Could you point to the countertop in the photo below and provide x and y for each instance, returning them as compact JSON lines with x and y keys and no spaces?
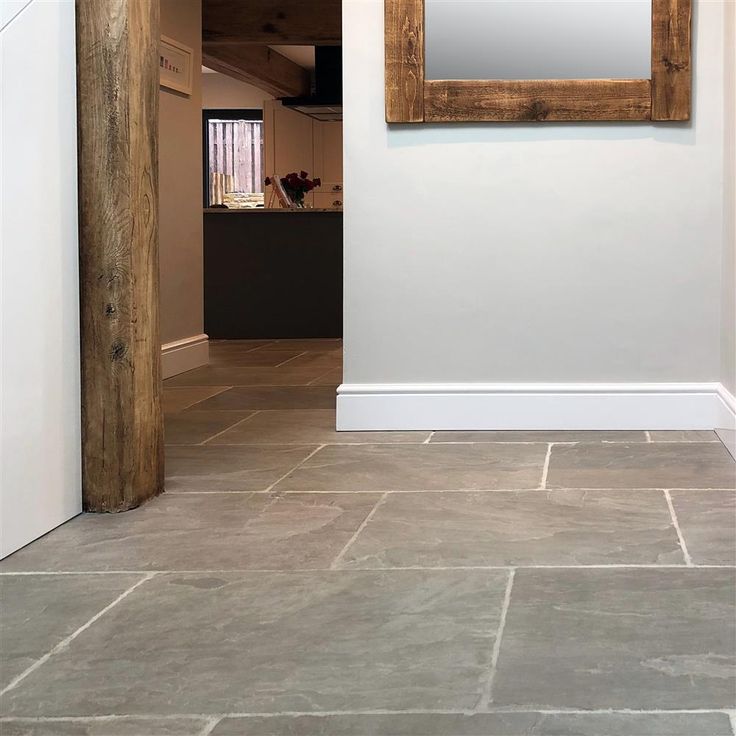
{"x":272,"y":210}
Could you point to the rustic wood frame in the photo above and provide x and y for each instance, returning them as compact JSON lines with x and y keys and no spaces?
{"x":665,"y":96}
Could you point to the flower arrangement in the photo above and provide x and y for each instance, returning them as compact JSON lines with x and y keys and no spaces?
{"x":297,"y":185}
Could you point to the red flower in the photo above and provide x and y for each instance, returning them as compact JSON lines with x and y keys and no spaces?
{"x":317,"y":182}
{"x":304,"y":175}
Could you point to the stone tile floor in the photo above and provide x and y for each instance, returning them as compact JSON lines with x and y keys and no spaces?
{"x":296,"y":580}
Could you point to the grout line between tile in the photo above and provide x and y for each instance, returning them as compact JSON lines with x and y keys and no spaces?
{"x":64,"y":643}
{"x":198,"y":401}
{"x":676,"y":524}
{"x":298,"y":465}
{"x":436,"y":568}
{"x":377,"y":711}
{"x":486,"y":697}
{"x":367,"y":519}
{"x":460,"y":490}
{"x":210,"y":725}
{"x":545,"y":468}
{"x":321,"y":375}
{"x":288,"y":360}
{"x":232,"y":426}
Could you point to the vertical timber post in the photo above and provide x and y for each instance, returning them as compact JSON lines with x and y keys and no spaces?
{"x":117,"y":85}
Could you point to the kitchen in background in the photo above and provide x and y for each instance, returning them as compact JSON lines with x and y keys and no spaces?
{"x":270,"y":270}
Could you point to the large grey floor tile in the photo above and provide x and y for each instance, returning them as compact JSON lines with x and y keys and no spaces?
{"x":121,"y":726}
{"x":273,"y":397}
{"x":301,"y":426}
{"x":40,"y":611}
{"x":655,"y":465}
{"x":540,"y":436}
{"x":331,"y":378}
{"x":193,"y":427}
{"x":255,"y":642}
{"x":321,"y":345}
{"x":634,"y":639}
{"x":482,"y":724}
{"x":235,"y":375}
{"x":419,"y":467}
{"x":178,"y":399}
{"x":708,"y":525}
{"x":228,"y":531}
{"x":691,"y":435}
{"x":325,"y":361}
{"x":245,"y":356}
{"x":525,"y":528}
{"x":211,"y":468}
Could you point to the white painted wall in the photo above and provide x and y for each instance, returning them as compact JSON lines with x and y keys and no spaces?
{"x":222,"y":92}
{"x":40,"y":475}
{"x":728,"y":320}
{"x":531,"y":253}
{"x":184,"y":344}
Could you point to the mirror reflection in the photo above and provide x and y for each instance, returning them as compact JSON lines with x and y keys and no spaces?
{"x":538,"y":39}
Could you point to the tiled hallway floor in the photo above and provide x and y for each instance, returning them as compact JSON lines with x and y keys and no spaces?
{"x":298,"y":581}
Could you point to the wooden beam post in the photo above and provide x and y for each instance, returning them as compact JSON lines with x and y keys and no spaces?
{"x":258,"y":65}
{"x":118,"y":83}
{"x":300,"y":22}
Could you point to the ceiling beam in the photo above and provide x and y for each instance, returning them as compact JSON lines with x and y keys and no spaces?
{"x":296,"y":22}
{"x":257,"y":65}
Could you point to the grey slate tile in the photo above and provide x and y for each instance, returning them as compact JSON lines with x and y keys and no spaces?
{"x":419,"y":468}
{"x":271,"y":642}
{"x":40,"y":611}
{"x":522,"y":528}
{"x":708,"y":524}
{"x":204,"y":532}
{"x":630,"y":639}
{"x":655,"y":465}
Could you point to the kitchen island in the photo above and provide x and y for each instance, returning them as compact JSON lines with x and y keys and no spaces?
{"x":272,"y":273}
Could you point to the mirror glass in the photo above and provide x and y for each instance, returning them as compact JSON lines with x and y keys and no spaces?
{"x":538,"y":39}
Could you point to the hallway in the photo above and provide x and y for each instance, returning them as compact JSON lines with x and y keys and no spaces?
{"x":296,"y":580}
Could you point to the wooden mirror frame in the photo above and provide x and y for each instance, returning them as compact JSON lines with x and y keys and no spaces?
{"x":410,"y":98}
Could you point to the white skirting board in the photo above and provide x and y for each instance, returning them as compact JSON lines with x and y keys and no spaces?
{"x":184,"y":355}
{"x":530,"y":406}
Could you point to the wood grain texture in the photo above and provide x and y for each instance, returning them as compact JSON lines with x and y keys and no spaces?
{"x":671,"y":59}
{"x":536,"y":100}
{"x":404,"y":39}
{"x":258,"y":65}
{"x":310,"y":22}
{"x":118,"y":87}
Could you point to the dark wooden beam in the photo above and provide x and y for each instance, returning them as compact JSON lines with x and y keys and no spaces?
{"x":298,"y":22}
{"x":118,"y":83}
{"x":257,"y":65}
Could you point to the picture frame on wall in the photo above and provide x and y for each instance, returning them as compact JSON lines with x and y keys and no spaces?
{"x":175,"y":65}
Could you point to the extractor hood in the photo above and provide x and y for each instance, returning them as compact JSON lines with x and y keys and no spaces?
{"x":326,"y":102}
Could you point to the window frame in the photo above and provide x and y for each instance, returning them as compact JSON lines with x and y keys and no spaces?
{"x":665,"y":96}
{"x":219,"y":114}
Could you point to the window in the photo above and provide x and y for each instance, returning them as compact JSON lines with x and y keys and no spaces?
{"x":233,"y":158}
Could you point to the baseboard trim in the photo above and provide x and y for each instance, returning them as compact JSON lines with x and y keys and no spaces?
{"x":726,"y":430}
{"x":184,"y":355}
{"x":530,"y":406}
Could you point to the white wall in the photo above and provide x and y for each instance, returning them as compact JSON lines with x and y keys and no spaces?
{"x":528,"y":253}
{"x":222,"y":92}
{"x":41,"y":474}
{"x":180,"y":202}
{"x":728,"y":323}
